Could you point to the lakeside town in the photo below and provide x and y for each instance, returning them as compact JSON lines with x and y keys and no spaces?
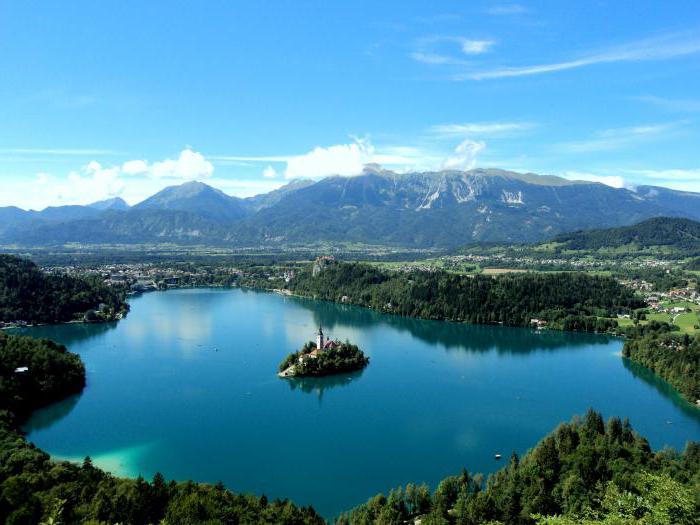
{"x":678,"y":305}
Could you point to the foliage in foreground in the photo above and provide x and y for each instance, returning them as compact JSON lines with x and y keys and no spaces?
{"x":34,"y":488}
{"x":583,"y":470}
{"x":30,"y":295}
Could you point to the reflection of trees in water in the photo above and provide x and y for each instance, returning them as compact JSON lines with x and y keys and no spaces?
{"x":662,"y":387}
{"x":67,"y":334}
{"x":318,"y":385}
{"x":47,"y":416}
{"x":468,"y":337}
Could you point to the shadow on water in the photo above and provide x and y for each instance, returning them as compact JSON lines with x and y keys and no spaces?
{"x":319,"y":385}
{"x":67,"y":334}
{"x":451,"y":335}
{"x":47,"y":416}
{"x":661,"y":386}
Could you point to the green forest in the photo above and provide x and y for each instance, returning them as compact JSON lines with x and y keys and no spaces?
{"x":674,"y":357}
{"x":681,"y":234}
{"x":30,"y":295}
{"x":564,"y":299}
{"x":585,"y":471}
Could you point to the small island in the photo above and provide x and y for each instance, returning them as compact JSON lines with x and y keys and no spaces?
{"x":323,"y":357}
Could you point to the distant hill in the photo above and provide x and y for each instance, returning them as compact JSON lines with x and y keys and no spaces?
{"x":443,"y":209}
{"x":197,"y":198}
{"x":116,"y":203}
{"x":682,"y":234}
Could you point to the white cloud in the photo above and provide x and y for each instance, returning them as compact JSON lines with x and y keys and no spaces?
{"x":135,"y":167}
{"x":659,"y":48}
{"x":433,"y":58}
{"x":614,"y":181}
{"x":480,"y":128}
{"x":506,"y":9}
{"x":436,"y":49}
{"x":95,"y":182}
{"x":340,"y":159}
{"x":616,"y":138}
{"x":350,"y":159}
{"x":190,"y":165}
{"x":685,"y":179}
{"x":464,"y":156}
{"x":476,"y":47}
{"x":269,"y":172}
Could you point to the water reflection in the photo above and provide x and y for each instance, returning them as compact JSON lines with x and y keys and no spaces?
{"x":661,"y":386}
{"x":47,"y":416}
{"x":318,"y":385}
{"x":453,"y":336}
{"x":67,"y":334}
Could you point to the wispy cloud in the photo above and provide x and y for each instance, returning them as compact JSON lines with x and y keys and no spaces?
{"x":506,"y":9}
{"x":658,"y":48}
{"x":72,"y":152}
{"x":440,"y":49}
{"x":480,"y":128}
{"x":616,"y":138}
{"x":615,"y":181}
{"x":672,"y":105}
{"x":476,"y":47}
{"x":434,"y":58}
{"x":675,"y":178}
{"x":350,"y":159}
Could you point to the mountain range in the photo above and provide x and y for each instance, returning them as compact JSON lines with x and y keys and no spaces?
{"x":423,"y":209}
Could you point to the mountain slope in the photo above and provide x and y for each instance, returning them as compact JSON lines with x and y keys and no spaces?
{"x":265,"y":200}
{"x":116,"y":203}
{"x":444,"y":209}
{"x":197,"y":198}
{"x":435,"y":209}
{"x":131,"y":227}
{"x":661,"y":231}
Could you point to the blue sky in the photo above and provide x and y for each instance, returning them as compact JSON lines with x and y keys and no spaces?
{"x":99,"y":99}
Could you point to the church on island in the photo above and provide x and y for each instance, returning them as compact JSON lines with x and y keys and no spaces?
{"x":323,"y":357}
{"x":321,"y":344}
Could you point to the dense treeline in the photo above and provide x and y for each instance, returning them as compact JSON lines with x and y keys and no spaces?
{"x":512,"y":299}
{"x":584,"y":470}
{"x":53,"y":373}
{"x":674,"y":357}
{"x":34,"y":489}
{"x":681,"y":234}
{"x":28,"y":294}
{"x":343,"y":357}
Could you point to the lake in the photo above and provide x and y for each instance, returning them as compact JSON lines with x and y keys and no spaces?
{"x":186,"y":385}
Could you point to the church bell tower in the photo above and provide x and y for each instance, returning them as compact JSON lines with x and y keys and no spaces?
{"x":319,"y":339}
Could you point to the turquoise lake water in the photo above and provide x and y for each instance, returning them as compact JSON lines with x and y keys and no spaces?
{"x":186,"y":385}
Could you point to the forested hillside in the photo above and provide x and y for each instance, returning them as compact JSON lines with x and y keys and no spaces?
{"x":680,"y":234}
{"x":53,"y":373}
{"x":674,"y":357}
{"x":511,"y":299}
{"x":585,"y":472}
{"x":30,"y":295}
